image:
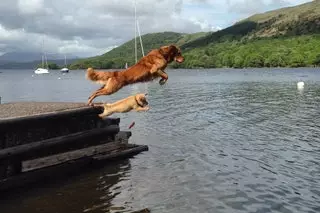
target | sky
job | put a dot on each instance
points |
(93, 27)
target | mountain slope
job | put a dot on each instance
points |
(290, 21)
(294, 51)
(287, 37)
(32, 64)
(22, 57)
(117, 57)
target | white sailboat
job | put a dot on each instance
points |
(43, 70)
(65, 69)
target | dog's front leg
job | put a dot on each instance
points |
(156, 69)
(164, 77)
(139, 109)
(106, 111)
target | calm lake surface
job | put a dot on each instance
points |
(220, 140)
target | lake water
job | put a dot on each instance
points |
(220, 140)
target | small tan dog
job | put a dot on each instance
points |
(136, 102)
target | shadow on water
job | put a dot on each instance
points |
(91, 191)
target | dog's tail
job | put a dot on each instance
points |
(99, 76)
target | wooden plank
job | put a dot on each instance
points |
(133, 150)
(8, 122)
(65, 169)
(58, 144)
(30, 108)
(67, 156)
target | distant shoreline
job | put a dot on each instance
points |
(216, 68)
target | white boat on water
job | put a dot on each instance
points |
(65, 69)
(42, 70)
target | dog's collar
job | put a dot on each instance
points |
(138, 102)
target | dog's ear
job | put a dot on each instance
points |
(142, 100)
(164, 50)
(168, 52)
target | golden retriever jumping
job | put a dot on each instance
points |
(150, 67)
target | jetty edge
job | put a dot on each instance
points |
(42, 141)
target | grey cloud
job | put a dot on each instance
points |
(92, 25)
(249, 7)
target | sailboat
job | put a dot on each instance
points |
(42, 70)
(65, 69)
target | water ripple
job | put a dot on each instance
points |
(220, 141)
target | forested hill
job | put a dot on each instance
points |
(299, 20)
(287, 37)
(118, 57)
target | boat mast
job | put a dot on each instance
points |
(135, 31)
(140, 38)
(136, 26)
(42, 58)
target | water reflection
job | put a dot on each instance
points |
(90, 192)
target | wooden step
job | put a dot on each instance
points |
(59, 144)
(70, 167)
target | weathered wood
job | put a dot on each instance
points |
(58, 144)
(72, 155)
(133, 150)
(146, 210)
(30, 109)
(68, 168)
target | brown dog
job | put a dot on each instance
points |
(136, 102)
(150, 67)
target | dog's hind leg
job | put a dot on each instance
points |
(94, 95)
(111, 87)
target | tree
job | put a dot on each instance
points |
(316, 61)
(254, 60)
(275, 60)
(238, 61)
(297, 60)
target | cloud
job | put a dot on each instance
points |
(90, 27)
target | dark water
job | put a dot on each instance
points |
(220, 141)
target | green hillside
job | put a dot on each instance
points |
(298, 51)
(117, 57)
(287, 37)
(290, 21)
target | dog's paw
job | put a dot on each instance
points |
(162, 81)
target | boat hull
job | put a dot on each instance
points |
(41, 71)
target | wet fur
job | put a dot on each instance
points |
(136, 102)
(150, 67)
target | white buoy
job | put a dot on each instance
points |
(300, 85)
(59, 78)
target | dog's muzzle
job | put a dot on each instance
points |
(179, 59)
